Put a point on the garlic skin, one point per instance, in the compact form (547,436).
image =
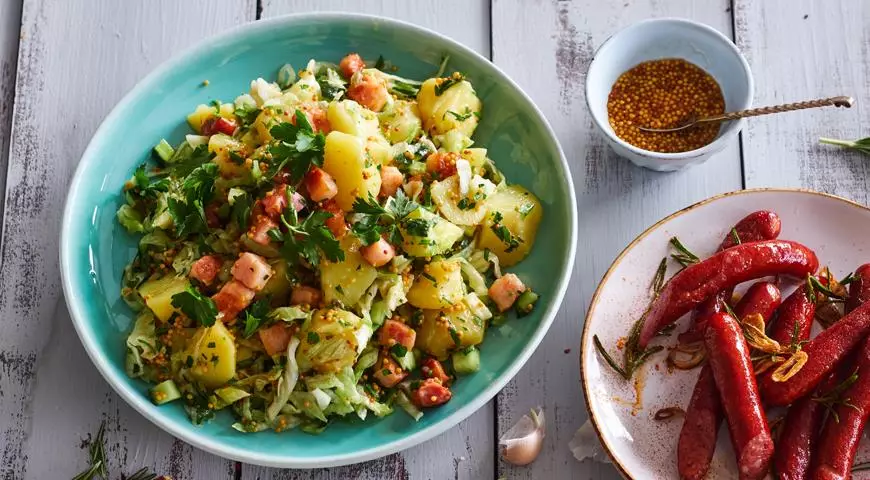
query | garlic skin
(585,444)
(523,442)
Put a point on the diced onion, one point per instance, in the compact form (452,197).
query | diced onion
(463,170)
(322,398)
(196,140)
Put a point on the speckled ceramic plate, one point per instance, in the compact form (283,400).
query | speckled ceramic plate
(621,411)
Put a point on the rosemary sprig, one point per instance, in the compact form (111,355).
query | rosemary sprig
(835,397)
(683,256)
(98,464)
(143,474)
(658,280)
(97,457)
(818,286)
(862,144)
(735,237)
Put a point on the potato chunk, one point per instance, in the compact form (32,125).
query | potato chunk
(351,118)
(456,208)
(519,213)
(425,234)
(445,331)
(457,107)
(347,281)
(331,340)
(355,173)
(212,354)
(439,286)
(158,294)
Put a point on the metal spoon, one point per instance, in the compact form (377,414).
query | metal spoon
(754,112)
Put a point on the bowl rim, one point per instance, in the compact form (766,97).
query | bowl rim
(717,144)
(593,303)
(213,444)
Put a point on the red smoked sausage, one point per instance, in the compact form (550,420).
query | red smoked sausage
(724,270)
(735,378)
(824,353)
(755,227)
(704,414)
(697,441)
(799,435)
(798,309)
(859,289)
(838,442)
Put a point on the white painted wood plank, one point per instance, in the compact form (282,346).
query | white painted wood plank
(76,61)
(802,50)
(10,25)
(546,46)
(466,451)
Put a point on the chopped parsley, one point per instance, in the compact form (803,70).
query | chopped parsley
(398,351)
(196,306)
(198,188)
(460,117)
(448,82)
(416,227)
(255,316)
(296,146)
(313,338)
(503,234)
(375,220)
(525,209)
(306,239)
(466,204)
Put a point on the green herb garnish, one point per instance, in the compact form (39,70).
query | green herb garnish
(505,235)
(862,144)
(197,306)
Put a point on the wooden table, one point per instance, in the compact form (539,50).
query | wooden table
(64,64)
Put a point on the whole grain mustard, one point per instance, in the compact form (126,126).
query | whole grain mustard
(664,94)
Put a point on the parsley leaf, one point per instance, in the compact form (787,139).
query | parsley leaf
(448,82)
(307,239)
(196,306)
(187,158)
(198,189)
(368,228)
(255,316)
(297,146)
(417,227)
(460,117)
(504,234)
(240,211)
(144,187)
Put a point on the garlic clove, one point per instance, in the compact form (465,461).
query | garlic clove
(522,443)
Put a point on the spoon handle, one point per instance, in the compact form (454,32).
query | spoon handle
(788,107)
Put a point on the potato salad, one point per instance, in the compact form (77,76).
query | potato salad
(331,244)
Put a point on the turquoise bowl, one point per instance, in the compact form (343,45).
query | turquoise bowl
(94,248)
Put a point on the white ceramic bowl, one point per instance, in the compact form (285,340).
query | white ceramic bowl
(669,38)
(621,411)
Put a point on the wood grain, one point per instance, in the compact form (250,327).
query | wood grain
(467,450)
(798,50)
(547,46)
(76,60)
(10,26)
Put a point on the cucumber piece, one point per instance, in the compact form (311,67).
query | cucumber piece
(404,357)
(164,392)
(526,302)
(378,313)
(466,361)
(164,150)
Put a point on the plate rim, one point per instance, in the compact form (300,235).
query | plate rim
(623,471)
(213,445)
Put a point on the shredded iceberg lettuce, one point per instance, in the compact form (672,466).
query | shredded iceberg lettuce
(286,383)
